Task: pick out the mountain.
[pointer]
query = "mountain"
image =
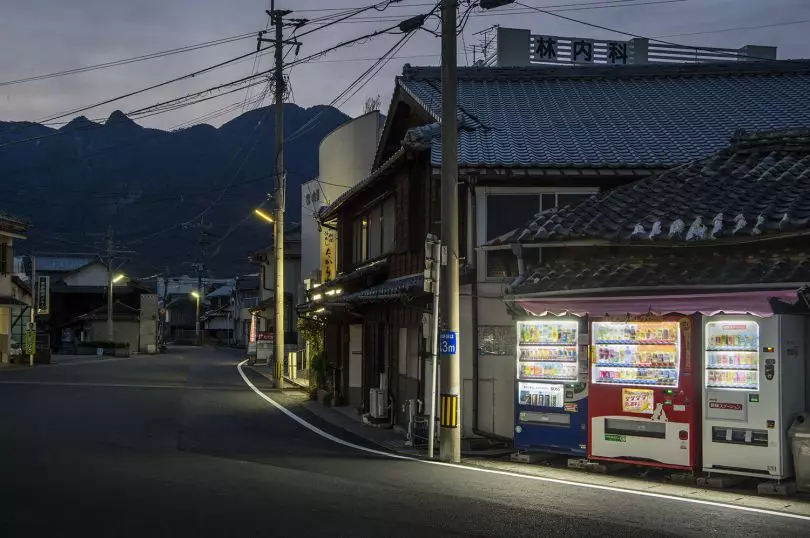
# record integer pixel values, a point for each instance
(74, 181)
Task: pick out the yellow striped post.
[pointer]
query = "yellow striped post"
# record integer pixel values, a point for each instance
(449, 410)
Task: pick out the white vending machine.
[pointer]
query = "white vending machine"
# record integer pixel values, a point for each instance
(753, 388)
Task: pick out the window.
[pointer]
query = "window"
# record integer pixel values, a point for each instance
(6, 259)
(375, 232)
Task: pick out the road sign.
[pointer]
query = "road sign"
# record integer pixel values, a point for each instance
(447, 343)
(30, 342)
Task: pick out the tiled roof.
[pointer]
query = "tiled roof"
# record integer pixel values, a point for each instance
(617, 116)
(62, 264)
(759, 185)
(671, 269)
(222, 291)
(13, 219)
(393, 288)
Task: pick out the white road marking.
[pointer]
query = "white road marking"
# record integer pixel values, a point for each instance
(584, 485)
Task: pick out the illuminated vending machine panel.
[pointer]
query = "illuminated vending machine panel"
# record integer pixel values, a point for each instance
(639, 411)
(548, 383)
(732, 355)
(753, 384)
(636, 354)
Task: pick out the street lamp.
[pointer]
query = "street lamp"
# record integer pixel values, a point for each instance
(113, 280)
(196, 295)
(264, 215)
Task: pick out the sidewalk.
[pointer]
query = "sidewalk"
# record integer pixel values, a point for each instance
(554, 468)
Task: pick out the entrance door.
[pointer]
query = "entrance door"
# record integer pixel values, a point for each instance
(356, 365)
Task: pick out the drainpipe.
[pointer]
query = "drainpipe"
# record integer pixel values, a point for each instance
(473, 228)
(517, 250)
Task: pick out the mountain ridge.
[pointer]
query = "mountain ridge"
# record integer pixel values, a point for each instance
(145, 182)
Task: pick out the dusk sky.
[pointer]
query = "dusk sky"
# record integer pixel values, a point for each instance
(45, 36)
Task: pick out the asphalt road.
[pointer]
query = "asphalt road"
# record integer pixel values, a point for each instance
(178, 445)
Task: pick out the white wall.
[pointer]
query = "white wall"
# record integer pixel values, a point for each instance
(92, 275)
(345, 157)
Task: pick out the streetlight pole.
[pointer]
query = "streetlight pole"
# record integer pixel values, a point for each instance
(32, 322)
(196, 295)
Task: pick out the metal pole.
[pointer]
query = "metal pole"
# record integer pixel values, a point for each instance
(450, 437)
(197, 324)
(278, 239)
(110, 333)
(34, 307)
(434, 355)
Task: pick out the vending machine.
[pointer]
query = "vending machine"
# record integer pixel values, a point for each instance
(551, 411)
(753, 388)
(644, 400)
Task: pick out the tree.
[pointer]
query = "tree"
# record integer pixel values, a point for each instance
(372, 104)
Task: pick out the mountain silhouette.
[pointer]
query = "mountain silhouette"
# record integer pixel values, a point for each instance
(151, 185)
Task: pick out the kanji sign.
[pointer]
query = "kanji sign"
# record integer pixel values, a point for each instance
(30, 342)
(43, 294)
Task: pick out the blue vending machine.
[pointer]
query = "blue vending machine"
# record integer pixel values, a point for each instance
(551, 413)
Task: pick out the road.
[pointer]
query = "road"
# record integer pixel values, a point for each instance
(178, 445)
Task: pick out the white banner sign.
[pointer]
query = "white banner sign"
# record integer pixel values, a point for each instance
(727, 405)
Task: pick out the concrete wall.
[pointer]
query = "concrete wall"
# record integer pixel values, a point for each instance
(148, 325)
(123, 331)
(345, 157)
(92, 275)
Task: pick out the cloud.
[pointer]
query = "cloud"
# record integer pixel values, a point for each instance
(41, 36)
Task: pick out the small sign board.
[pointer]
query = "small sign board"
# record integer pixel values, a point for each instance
(447, 343)
(43, 294)
(30, 342)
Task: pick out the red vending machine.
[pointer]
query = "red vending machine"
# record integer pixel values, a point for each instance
(644, 399)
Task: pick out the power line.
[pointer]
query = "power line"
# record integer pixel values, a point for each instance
(149, 88)
(134, 59)
(721, 30)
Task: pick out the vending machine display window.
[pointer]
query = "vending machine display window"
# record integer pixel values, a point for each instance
(636, 353)
(547, 350)
(732, 355)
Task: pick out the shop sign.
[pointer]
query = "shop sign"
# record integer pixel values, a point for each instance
(638, 401)
(615, 437)
(328, 253)
(265, 336)
(726, 405)
(43, 295)
(553, 49)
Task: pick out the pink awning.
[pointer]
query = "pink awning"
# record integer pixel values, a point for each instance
(745, 302)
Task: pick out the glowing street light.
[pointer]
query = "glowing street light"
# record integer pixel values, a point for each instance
(118, 278)
(196, 295)
(264, 215)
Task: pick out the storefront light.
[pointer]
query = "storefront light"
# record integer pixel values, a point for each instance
(317, 297)
(322, 309)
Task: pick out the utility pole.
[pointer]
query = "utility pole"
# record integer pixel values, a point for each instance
(450, 433)
(32, 322)
(277, 21)
(110, 285)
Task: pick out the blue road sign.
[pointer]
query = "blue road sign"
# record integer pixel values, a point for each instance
(447, 343)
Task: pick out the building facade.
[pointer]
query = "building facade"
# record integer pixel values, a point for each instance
(530, 139)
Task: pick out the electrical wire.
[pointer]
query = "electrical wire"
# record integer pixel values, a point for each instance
(134, 59)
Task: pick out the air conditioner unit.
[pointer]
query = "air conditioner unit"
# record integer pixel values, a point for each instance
(378, 403)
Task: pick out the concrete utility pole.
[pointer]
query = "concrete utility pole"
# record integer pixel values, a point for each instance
(32, 322)
(277, 20)
(450, 434)
(110, 285)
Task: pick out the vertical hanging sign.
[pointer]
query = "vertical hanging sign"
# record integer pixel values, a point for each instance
(43, 294)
